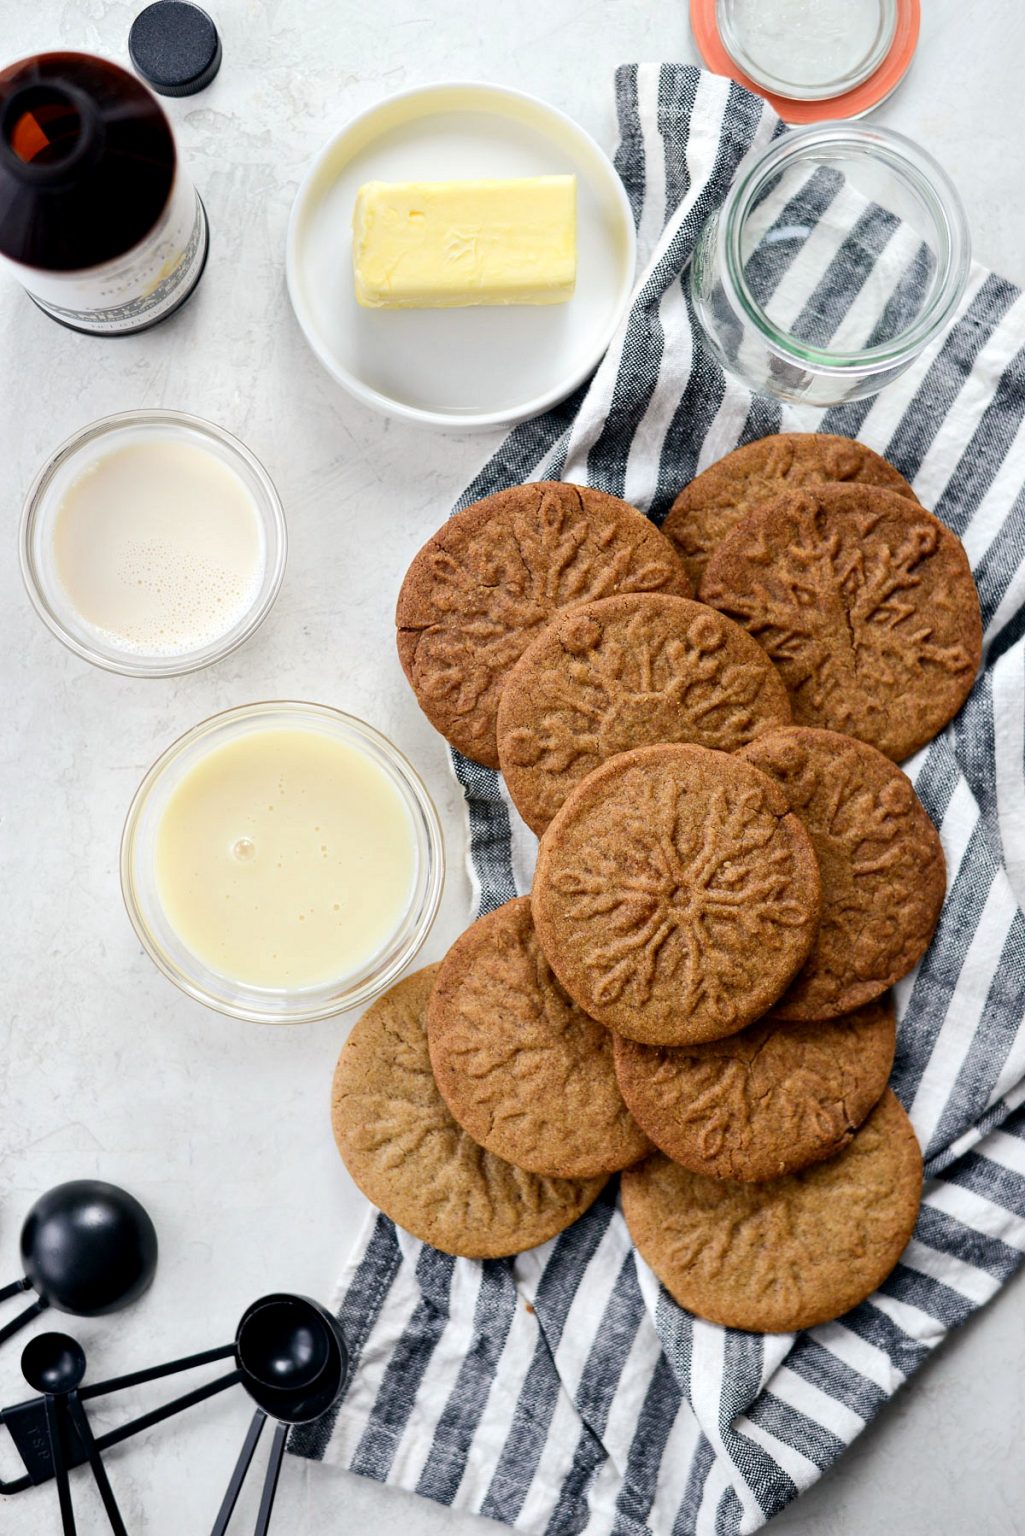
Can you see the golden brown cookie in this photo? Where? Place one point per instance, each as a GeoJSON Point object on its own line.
{"type": "Point", "coordinates": [411, 1159]}
{"type": "Point", "coordinates": [773, 1099]}
{"type": "Point", "coordinates": [712, 505]}
{"type": "Point", "coordinates": [676, 895]}
{"type": "Point", "coordinates": [491, 578]}
{"type": "Point", "coordinates": [866, 604]}
{"type": "Point", "coordinates": [524, 1071]}
{"type": "Point", "coordinates": [884, 876]}
{"type": "Point", "coordinates": [789, 1253]}
{"type": "Point", "coordinates": [628, 672]}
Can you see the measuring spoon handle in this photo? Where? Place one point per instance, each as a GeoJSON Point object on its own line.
{"type": "Point", "coordinates": [78, 1418]}
{"type": "Point", "coordinates": [39, 1305]}
{"type": "Point", "coordinates": [238, 1477]}
{"type": "Point", "coordinates": [270, 1481]}
{"type": "Point", "coordinates": [60, 1469]}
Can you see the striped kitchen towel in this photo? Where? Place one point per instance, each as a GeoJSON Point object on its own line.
{"type": "Point", "coordinates": [564, 1391]}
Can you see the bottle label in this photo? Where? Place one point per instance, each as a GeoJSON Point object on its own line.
{"type": "Point", "coordinates": [137, 289]}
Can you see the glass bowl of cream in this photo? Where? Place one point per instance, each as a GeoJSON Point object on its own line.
{"type": "Point", "coordinates": [152, 543]}
{"type": "Point", "coordinates": [282, 862]}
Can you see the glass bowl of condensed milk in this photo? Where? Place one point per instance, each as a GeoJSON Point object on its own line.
{"type": "Point", "coordinates": [152, 543]}
{"type": "Point", "coordinates": [282, 862]}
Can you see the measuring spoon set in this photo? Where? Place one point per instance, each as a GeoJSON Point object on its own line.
{"type": "Point", "coordinates": [88, 1249]}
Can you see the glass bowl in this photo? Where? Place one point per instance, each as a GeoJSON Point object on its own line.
{"type": "Point", "coordinates": [839, 254]}
{"type": "Point", "coordinates": [42, 504]}
{"type": "Point", "coordinates": [242, 1000]}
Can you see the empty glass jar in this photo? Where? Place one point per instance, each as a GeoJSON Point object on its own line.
{"type": "Point", "coordinates": [840, 252]}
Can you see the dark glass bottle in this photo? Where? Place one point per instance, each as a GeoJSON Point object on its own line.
{"type": "Point", "coordinates": [98, 219]}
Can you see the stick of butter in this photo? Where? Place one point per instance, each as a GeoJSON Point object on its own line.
{"type": "Point", "coordinates": [451, 244]}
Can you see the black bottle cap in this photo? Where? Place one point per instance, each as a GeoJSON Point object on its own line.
{"type": "Point", "coordinates": [174, 46]}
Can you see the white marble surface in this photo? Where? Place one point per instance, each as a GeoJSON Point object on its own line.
{"type": "Point", "coordinates": [222, 1128]}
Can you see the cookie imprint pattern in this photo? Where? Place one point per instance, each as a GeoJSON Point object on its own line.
{"type": "Point", "coordinates": [629, 672]}
{"type": "Point", "coordinates": [768, 1101]}
{"type": "Point", "coordinates": [711, 506]}
{"type": "Point", "coordinates": [492, 577]}
{"type": "Point", "coordinates": [410, 1158]}
{"type": "Point", "coordinates": [677, 901]}
{"type": "Point", "coordinates": [522, 1068]}
{"type": "Point", "coordinates": [786, 1254]}
{"type": "Point", "coordinates": [881, 861]}
{"type": "Point", "coordinates": [866, 604]}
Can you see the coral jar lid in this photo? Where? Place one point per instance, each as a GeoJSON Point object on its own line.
{"type": "Point", "coordinates": [811, 59]}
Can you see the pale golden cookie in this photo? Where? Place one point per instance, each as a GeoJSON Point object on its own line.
{"type": "Point", "coordinates": [410, 1158]}
{"type": "Point", "coordinates": [866, 604]}
{"type": "Point", "coordinates": [520, 1066]}
{"type": "Point", "coordinates": [628, 672]}
{"type": "Point", "coordinates": [884, 876]}
{"type": "Point", "coordinates": [492, 577]}
{"type": "Point", "coordinates": [789, 1253]}
{"type": "Point", "coordinates": [676, 895]}
{"type": "Point", "coordinates": [768, 1101]}
{"type": "Point", "coordinates": [711, 506]}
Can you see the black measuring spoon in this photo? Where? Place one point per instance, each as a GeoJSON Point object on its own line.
{"type": "Point", "coordinates": [54, 1365]}
{"type": "Point", "coordinates": [88, 1248]}
{"type": "Point", "coordinates": [287, 1353]}
{"type": "Point", "coordinates": [292, 1362]}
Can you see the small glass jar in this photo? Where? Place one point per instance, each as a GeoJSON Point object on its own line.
{"type": "Point", "coordinates": [840, 252]}
{"type": "Point", "coordinates": [807, 50]}
{"type": "Point", "coordinates": [73, 459]}
{"type": "Point", "coordinates": [244, 1000]}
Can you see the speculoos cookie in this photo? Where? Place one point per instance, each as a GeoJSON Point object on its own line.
{"type": "Point", "coordinates": [883, 873]}
{"type": "Point", "coordinates": [864, 601]}
{"type": "Point", "coordinates": [676, 894]}
{"type": "Point", "coordinates": [625, 672]}
{"type": "Point", "coordinates": [768, 1101]}
{"type": "Point", "coordinates": [520, 1066]}
{"type": "Point", "coordinates": [492, 577]}
{"type": "Point", "coordinates": [711, 506]}
{"type": "Point", "coordinates": [789, 1253]}
{"type": "Point", "coordinates": [410, 1158]}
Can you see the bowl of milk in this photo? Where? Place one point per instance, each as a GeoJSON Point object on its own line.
{"type": "Point", "coordinates": [282, 862]}
{"type": "Point", "coordinates": [152, 543]}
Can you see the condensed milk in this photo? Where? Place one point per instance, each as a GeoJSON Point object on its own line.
{"type": "Point", "coordinates": [285, 859]}
{"type": "Point", "coordinates": [282, 862]}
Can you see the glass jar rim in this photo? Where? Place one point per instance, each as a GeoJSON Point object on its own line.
{"type": "Point", "coordinates": [393, 960]}
{"type": "Point", "coordinates": [789, 89]}
{"type": "Point", "coordinates": [917, 167]}
{"type": "Point", "coordinates": [272, 517]}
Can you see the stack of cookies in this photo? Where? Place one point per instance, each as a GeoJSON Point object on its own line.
{"type": "Point", "coordinates": [732, 872]}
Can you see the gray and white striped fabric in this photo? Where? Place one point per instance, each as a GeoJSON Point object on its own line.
{"type": "Point", "coordinates": [563, 1391]}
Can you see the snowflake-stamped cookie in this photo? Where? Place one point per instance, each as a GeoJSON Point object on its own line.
{"type": "Point", "coordinates": [410, 1158]}
{"type": "Point", "coordinates": [521, 1067]}
{"type": "Point", "coordinates": [676, 894]}
{"type": "Point", "coordinates": [492, 577]}
{"type": "Point", "coordinates": [769, 1101]}
{"type": "Point", "coordinates": [625, 672]}
{"type": "Point", "coordinates": [884, 876]}
{"type": "Point", "coordinates": [792, 1252]}
{"type": "Point", "coordinates": [711, 506]}
{"type": "Point", "coordinates": [864, 601]}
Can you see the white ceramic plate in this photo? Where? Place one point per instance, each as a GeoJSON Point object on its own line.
{"type": "Point", "coordinates": [458, 368]}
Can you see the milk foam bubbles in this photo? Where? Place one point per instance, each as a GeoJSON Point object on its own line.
{"type": "Point", "coordinates": [159, 546]}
